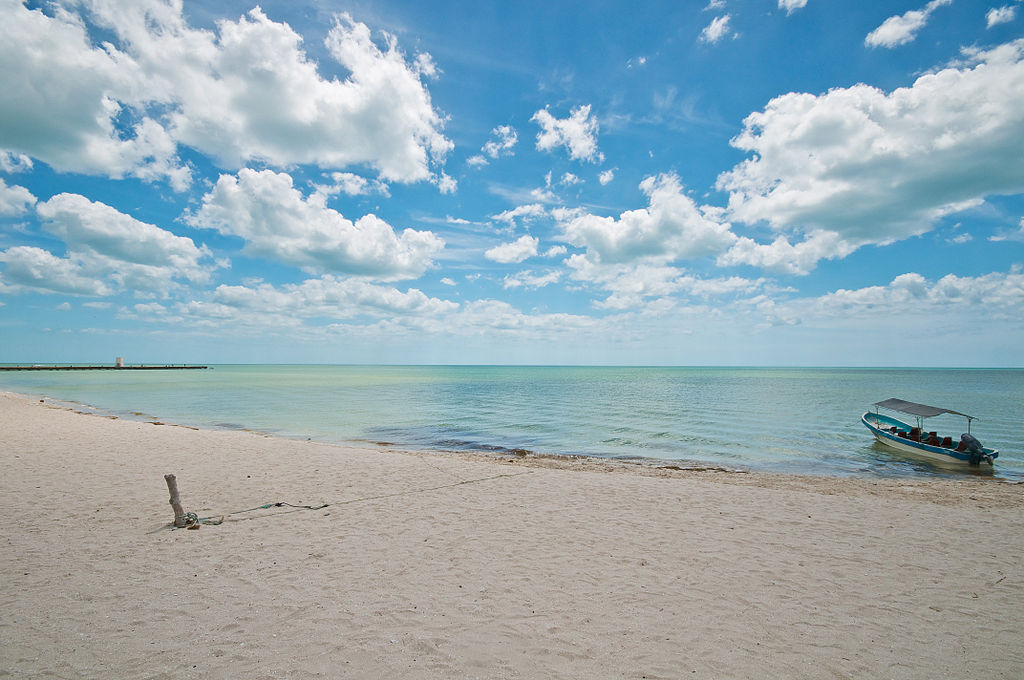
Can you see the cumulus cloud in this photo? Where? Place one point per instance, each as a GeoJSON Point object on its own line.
{"type": "Point", "coordinates": [577, 133]}
{"type": "Point", "coordinates": [873, 167]}
{"type": "Point", "coordinates": [37, 269]}
{"type": "Point", "coordinates": [523, 213]}
{"type": "Point", "coordinates": [792, 5]}
{"type": "Point", "coordinates": [14, 200]}
{"type": "Point", "coordinates": [496, 316]}
{"type": "Point", "coordinates": [444, 183]}
{"type": "Point", "coordinates": [529, 279]}
{"type": "Point", "coordinates": [650, 284]}
{"type": "Point", "coordinates": [144, 251]}
{"type": "Point", "coordinates": [672, 227]}
{"type": "Point", "coordinates": [516, 251]}
{"type": "Point", "coordinates": [502, 145]}
{"type": "Point", "coordinates": [996, 295]}
{"type": "Point", "coordinates": [784, 258]}
{"type": "Point", "coordinates": [901, 29]}
{"type": "Point", "coordinates": [279, 223]}
{"type": "Point", "coordinates": [330, 297]}
{"type": "Point", "coordinates": [62, 95]}
{"type": "Point", "coordinates": [107, 252]}
{"type": "Point", "coordinates": [351, 184]}
{"type": "Point", "coordinates": [606, 177]}
{"type": "Point", "coordinates": [716, 30]}
{"type": "Point", "coordinates": [629, 284]}
{"type": "Point", "coordinates": [350, 303]}
{"type": "Point", "coordinates": [244, 93]}
{"type": "Point", "coordinates": [14, 162]}
{"type": "Point", "coordinates": [1001, 15]}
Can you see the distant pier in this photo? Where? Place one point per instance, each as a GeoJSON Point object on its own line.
{"type": "Point", "coordinates": [103, 367]}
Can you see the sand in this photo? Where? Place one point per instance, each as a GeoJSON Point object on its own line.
{"type": "Point", "coordinates": [455, 566]}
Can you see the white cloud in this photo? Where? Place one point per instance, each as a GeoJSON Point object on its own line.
{"type": "Point", "coordinates": [14, 200]}
{"type": "Point", "coordinates": [138, 255]}
{"type": "Point", "coordinates": [671, 227]}
{"type": "Point", "coordinates": [38, 269]}
{"type": "Point", "coordinates": [569, 179]}
{"type": "Point", "coordinates": [331, 298]}
{"type": "Point", "coordinates": [351, 184]}
{"type": "Point", "coordinates": [522, 213]}
{"type": "Point", "coordinates": [1017, 235]}
{"type": "Point", "coordinates": [516, 251]}
{"type": "Point", "coordinates": [444, 183]}
{"type": "Point", "coordinates": [261, 307]}
{"type": "Point", "coordinates": [495, 316]}
{"type": "Point", "coordinates": [447, 281]}
{"type": "Point", "coordinates": [262, 99]}
{"type": "Point", "coordinates": [278, 223]}
{"type": "Point", "coordinates": [901, 29]}
{"type": "Point", "coordinates": [577, 133]}
{"type": "Point", "coordinates": [14, 162]}
{"type": "Point", "coordinates": [716, 30]}
{"type": "Point", "coordinates": [506, 139]}
{"type": "Point", "coordinates": [630, 284]}
{"type": "Point", "coordinates": [791, 5]}
{"type": "Point", "coordinates": [107, 252]}
{"type": "Point", "coordinates": [995, 295]}
{"type": "Point", "coordinates": [63, 307]}
{"type": "Point", "coordinates": [606, 177]}
{"type": "Point", "coordinates": [528, 279]}
{"type": "Point", "coordinates": [555, 251]}
{"type": "Point", "coordinates": [62, 94]}
{"type": "Point", "coordinates": [784, 258]}
{"type": "Point", "coordinates": [873, 167]}
{"type": "Point", "coordinates": [245, 93]}
{"type": "Point", "coordinates": [1001, 15]}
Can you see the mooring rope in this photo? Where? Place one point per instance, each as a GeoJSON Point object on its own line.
{"type": "Point", "coordinates": [192, 519]}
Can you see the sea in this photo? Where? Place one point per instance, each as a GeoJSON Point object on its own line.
{"type": "Point", "coordinates": [790, 420]}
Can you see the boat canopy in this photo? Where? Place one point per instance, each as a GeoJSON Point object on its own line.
{"type": "Point", "coordinates": [919, 410]}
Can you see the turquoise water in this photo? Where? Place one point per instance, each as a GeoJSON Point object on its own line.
{"type": "Point", "coordinates": [799, 420]}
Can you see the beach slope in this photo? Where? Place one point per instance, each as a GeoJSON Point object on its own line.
{"type": "Point", "coordinates": [436, 566]}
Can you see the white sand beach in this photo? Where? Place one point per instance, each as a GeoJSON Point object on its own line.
{"type": "Point", "coordinates": [455, 566]}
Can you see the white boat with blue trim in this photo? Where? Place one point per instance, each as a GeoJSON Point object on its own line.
{"type": "Point", "coordinates": [905, 437]}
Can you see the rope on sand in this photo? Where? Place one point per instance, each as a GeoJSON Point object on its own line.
{"type": "Point", "coordinates": [266, 506]}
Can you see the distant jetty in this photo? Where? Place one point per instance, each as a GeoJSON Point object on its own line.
{"type": "Point", "coordinates": [102, 367]}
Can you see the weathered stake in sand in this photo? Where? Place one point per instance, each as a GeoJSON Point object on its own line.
{"type": "Point", "coordinates": [452, 566]}
{"type": "Point", "coordinates": [179, 511]}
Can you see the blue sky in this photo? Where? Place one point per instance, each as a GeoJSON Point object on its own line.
{"type": "Point", "coordinates": [770, 182]}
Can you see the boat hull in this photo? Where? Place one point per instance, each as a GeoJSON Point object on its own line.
{"type": "Point", "coordinates": [879, 424]}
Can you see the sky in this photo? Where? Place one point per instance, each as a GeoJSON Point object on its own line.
{"type": "Point", "coordinates": [733, 182]}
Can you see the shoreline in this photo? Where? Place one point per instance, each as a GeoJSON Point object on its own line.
{"type": "Point", "coordinates": [429, 565]}
{"type": "Point", "coordinates": [634, 462]}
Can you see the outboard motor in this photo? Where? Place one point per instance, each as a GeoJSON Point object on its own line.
{"type": "Point", "coordinates": [973, 448]}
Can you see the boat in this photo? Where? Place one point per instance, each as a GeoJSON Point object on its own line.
{"type": "Point", "coordinates": [908, 438]}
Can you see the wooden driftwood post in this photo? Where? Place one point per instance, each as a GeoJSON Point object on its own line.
{"type": "Point", "coordinates": [179, 512]}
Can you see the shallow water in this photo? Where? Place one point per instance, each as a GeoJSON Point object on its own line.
{"type": "Point", "coordinates": [799, 420]}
